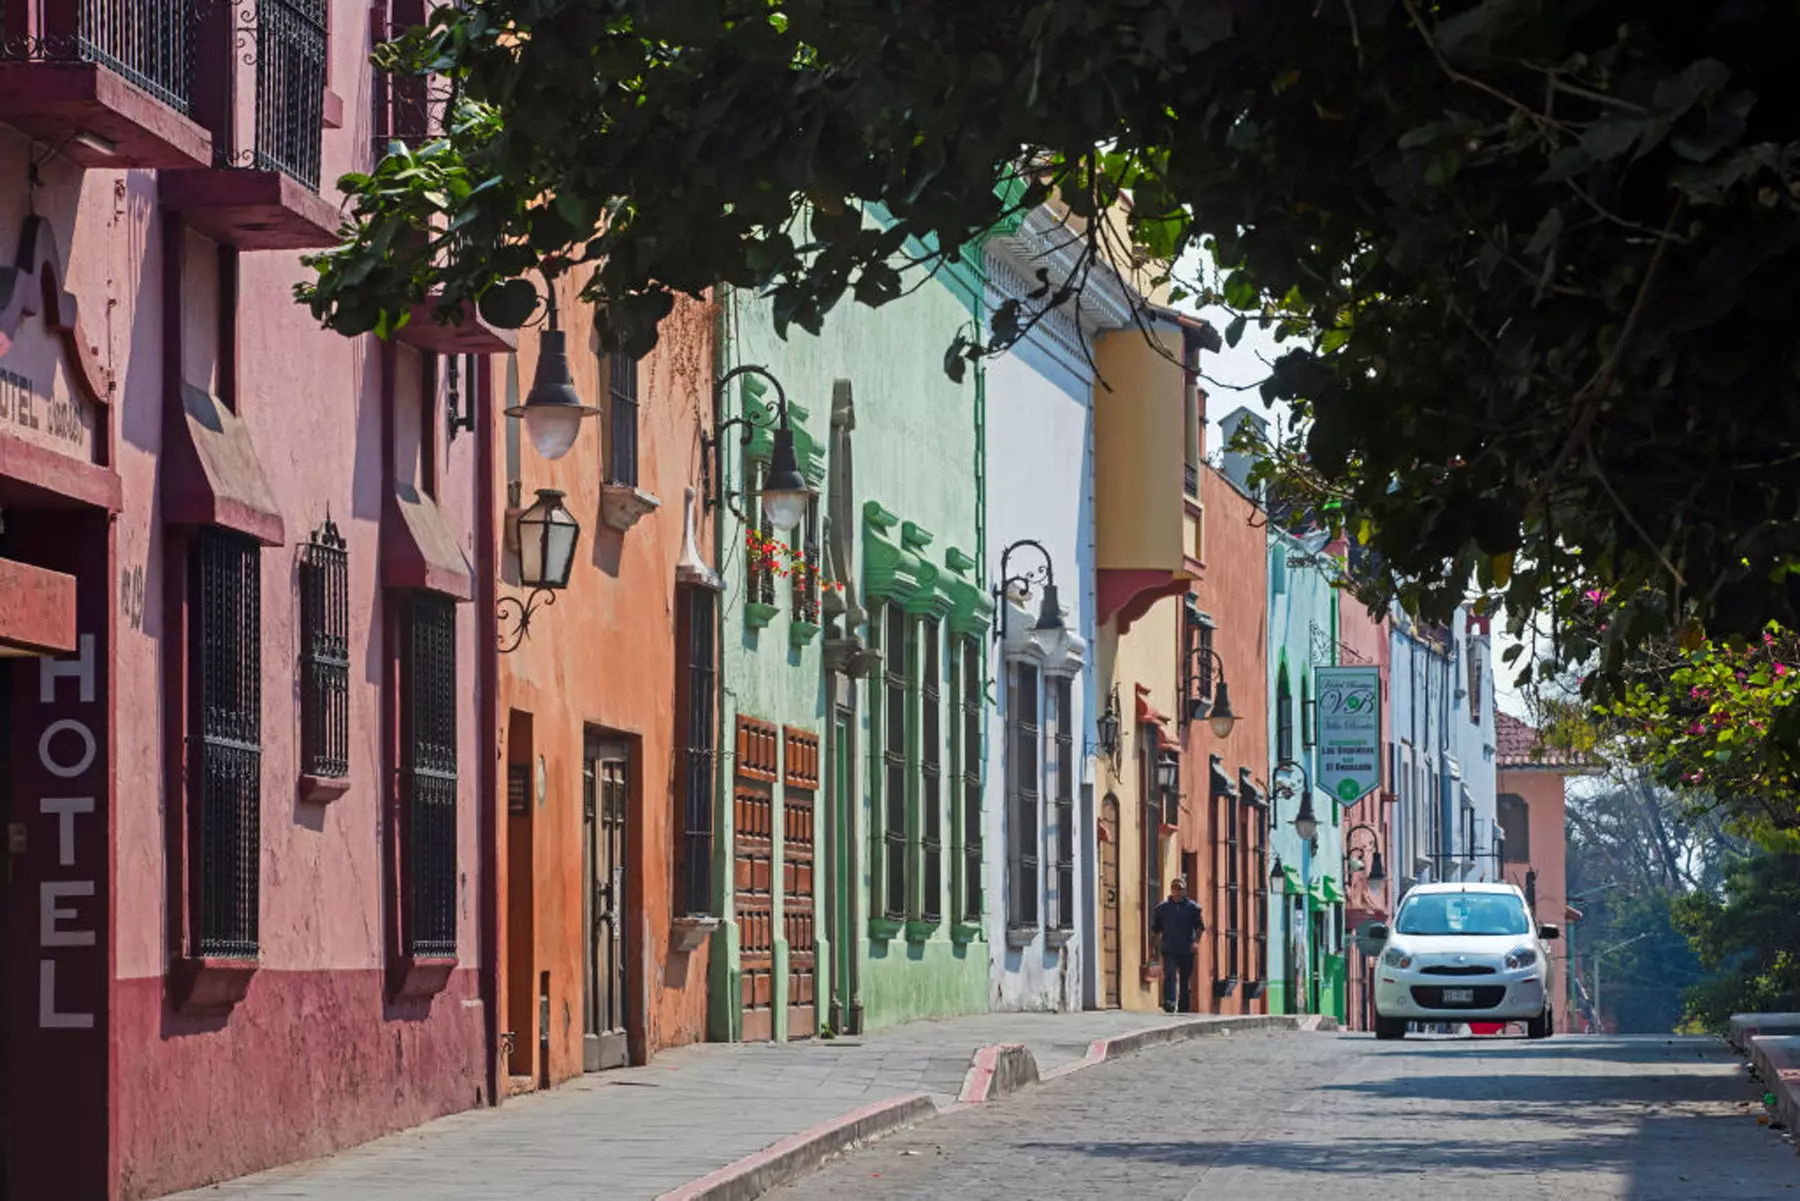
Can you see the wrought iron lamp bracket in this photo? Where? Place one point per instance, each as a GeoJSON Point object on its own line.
{"type": "Point", "coordinates": [1044, 575]}
{"type": "Point", "coordinates": [712, 446]}
{"type": "Point", "coordinates": [520, 619]}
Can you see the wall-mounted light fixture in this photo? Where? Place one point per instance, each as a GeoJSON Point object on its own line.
{"type": "Point", "coordinates": [1107, 728]}
{"type": "Point", "coordinates": [1353, 864]}
{"type": "Point", "coordinates": [1049, 621]}
{"type": "Point", "coordinates": [1306, 823]}
{"type": "Point", "coordinates": [548, 535]}
{"type": "Point", "coordinates": [552, 411]}
{"type": "Point", "coordinates": [1277, 873]}
{"type": "Point", "coordinates": [785, 493]}
{"type": "Point", "coordinates": [1211, 698]}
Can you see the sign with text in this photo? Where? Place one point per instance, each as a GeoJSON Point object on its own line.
{"type": "Point", "coordinates": [1349, 730]}
{"type": "Point", "coordinates": [51, 384]}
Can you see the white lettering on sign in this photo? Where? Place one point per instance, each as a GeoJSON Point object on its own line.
{"type": "Point", "coordinates": [58, 924]}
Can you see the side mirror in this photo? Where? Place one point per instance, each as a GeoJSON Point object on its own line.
{"type": "Point", "coordinates": [1377, 932]}
{"type": "Point", "coordinates": [1549, 933]}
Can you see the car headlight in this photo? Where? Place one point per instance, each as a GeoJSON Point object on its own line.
{"type": "Point", "coordinates": [1520, 957]}
{"type": "Point", "coordinates": [1394, 957]}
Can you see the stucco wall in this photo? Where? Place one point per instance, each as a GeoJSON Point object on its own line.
{"type": "Point", "coordinates": [1543, 792]}
{"type": "Point", "coordinates": [1234, 592]}
{"type": "Point", "coordinates": [1138, 454]}
{"type": "Point", "coordinates": [603, 658]}
{"type": "Point", "coordinates": [1473, 723]}
{"type": "Point", "coordinates": [1040, 474]}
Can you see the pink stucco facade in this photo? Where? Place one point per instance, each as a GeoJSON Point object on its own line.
{"type": "Point", "coordinates": [1545, 867]}
{"type": "Point", "coordinates": [155, 1064]}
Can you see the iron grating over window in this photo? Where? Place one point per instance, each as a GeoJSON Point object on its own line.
{"type": "Point", "coordinates": [622, 463]}
{"type": "Point", "coordinates": [893, 758]}
{"type": "Point", "coordinates": [325, 654]}
{"type": "Point", "coordinates": [932, 772]}
{"type": "Point", "coordinates": [1022, 765]}
{"type": "Point", "coordinates": [148, 43]}
{"type": "Point", "coordinates": [290, 87]}
{"type": "Point", "coordinates": [428, 774]}
{"type": "Point", "coordinates": [806, 565]}
{"type": "Point", "coordinates": [971, 781]}
{"type": "Point", "coordinates": [1063, 798]}
{"type": "Point", "coordinates": [694, 879]}
{"type": "Point", "coordinates": [226, 833]}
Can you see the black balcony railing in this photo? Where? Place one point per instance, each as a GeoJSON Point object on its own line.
{"type": "Point", "coordinates": [148, 43]}
{"type": "Point", "coordinates": [290, 87]}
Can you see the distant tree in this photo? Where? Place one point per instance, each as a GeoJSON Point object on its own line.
{"type": "Point", "coordinates": [1748, 937]}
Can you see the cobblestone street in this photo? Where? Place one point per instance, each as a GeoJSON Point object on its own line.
{"type": "Point", "coordinates": [1289, 1117]}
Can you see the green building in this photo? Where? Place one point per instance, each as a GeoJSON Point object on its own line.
{"type": "Point", "coordinates": [853, 690]}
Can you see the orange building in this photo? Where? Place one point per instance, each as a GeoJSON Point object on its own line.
{"type": "Point", "coordinates": [1530, 807]}
{"type": "Point", "coordinates": [606, 714]}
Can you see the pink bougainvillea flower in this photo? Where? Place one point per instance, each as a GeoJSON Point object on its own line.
{"type": "Point", "coordinates": [1781, 669]}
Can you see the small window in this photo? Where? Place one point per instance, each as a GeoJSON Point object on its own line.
{"type": "Point", "coordinates": [225, 818]}
{"type": "Point", "coordinates": [892, 883]}
{"type": "Point", "coordinates": [1061, 777]}
{"type": "Point", "coordinates": [971, 779]}
{"type": "Point", "coordinates": [1284, 717]}
{"type": "Point", "coordinates": [931, 906]}
{"type": "Point", "coordinates": [1515, 827]}
{"type": "Point", "coordinates": [428, 708]}
{"type": "Point", "coordinates": [622, 392]}
{"type": "Point", "coordinates": [805, 566]}
{"type": "Point", "coordinates": [694, 718]}
{"type": "Point", "coordinates": [325, 654]}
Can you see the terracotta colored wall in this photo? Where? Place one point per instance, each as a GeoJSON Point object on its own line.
{"type": "Point", "coordinates": [603, 657]}
{"type": "Point", "coordinates": [1234, 593]}
{"type": "Point", "coordinates": [1543, 792]}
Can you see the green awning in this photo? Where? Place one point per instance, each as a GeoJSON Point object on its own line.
{"type": "Point", "coordinates": [1330, 890]}
{"type": "Point", "coordinates": [1291, 878]}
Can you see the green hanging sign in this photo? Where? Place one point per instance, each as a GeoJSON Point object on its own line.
{"type": "Point", "coordinates": [1349, 730]}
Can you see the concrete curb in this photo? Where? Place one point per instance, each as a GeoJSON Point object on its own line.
{"type": "Point", "coordinates": [1103, 1049]}
{"type": "Point", "coordinates": [754, 1175]}
{"type": "Point", "coordinates": [997, 1070]}
{"type": "Point", "coordinates": [1777, 1061]}
{"type": "Point", "coordinates": [1746, 1026]}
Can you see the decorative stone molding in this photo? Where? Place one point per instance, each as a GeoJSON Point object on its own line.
{"type": "Point", "coordinates": [1057, 936]}
{"type": "Point", "coordinates": [690, 568]}
{"type": "Point", "coordinates": [624, 505]}
{"type": "Point", "coordinates": [964, 933]}
{"type": "Point", "coordinates": [921, 929]}
{"type": "Point", "coordinates": [758, 615]}
{"type": "Point", "coordinates": [882, 929]}
{"type": "Point", "coordinates": [1020, 936]}
{"type": "Point", "coordinates": [801, 633]}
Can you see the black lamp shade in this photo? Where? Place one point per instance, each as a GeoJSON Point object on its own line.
{"type": "Point", "coordinates": [548, 535]}
{"type": "Point", "coordinates": [1050, 619]}
{"type": "Point", "coordinates": [552, 411]}
{"type": "Point", "coordinates": [1221, 720]}
{"type": "Point", "coordinates": [1377, 871]}
{"type": "Point", "coordinates": [785, 493]}
{"type": "Point", "coordinates": [1277, 874]}
{"type": "Point", "coordinates": [1306, 824]}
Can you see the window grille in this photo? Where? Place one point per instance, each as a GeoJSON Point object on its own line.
{"type": "Point", "coordinates": [428, 774]}
{"type": "Point", "coordinates": [1062, 781]}
{"type": "Point", "coordinates": [761, 562]}
{"type": "Point", "coordinates": [148, 43]}
{"type": "Point", "coordinates": [971, 781]}
{"type": "Point", "coordinates": [694, 874]}
{"type": "Point", "coordinates": [931, 905]}
{"type": "Point", "coordinates": [1475, 682]}
{"type": "Point", "coordinates": [622, 462]}
{"type": "Point", "coordinates": [1023, 761]}
{"type": "Point", "coordinates": [806, 567]}
{"type": "Point", "coordinates": [893, 758]}
{"type": "Point", "coordinates": [1284, 718]}
{"type": "Point", "coordinates": [226, 832]}
{"type": "Point", "coordinates": [325, 654]}
{"type": "Point", "coordinates": [290, 87]}
{"type": "Point", "coordinates": [1233, 887]}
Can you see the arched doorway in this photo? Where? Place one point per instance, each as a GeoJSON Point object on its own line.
{"type": "Point", "coordinates": [1109, 900]}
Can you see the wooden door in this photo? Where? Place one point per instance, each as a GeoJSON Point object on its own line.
{"type": "Point", "coordinates": [753, 855]}
{"type": "Point", "coordinates": [1109, 900]}
{"type": "Point", "coordinates": [606, 786]}
{"type": "Point", "coordinates": [800, 788]}
{"type": "Point", "coordinates": [521, 1036]}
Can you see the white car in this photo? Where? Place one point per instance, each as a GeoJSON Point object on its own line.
{"type": "Point", "coordinates": [1462, 953]}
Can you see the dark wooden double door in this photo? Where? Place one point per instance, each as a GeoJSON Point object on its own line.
{"type": "Point", "coordinates": [767, 755]}
{"type": "Point", "coordinates": [606, 792]}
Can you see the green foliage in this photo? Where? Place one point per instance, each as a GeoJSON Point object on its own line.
{"type": "Point", "coordinates": [1546, 251]}
{"type": "Point", "coordinates": [1644, 980]}
{"type": "Point", "coordinates": [1749, 937]}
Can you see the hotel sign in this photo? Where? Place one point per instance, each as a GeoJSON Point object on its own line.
{"type": "Point", "coordinates": [1349, 730]}
{"type": "Point", "coordinates": [51, 385]}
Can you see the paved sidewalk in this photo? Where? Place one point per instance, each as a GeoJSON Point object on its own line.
{"type": "Point", "coordinates": [639, 1132]}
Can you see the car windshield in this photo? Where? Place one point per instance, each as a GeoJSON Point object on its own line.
{"type": "Point", "coordinates": [1470, 913]}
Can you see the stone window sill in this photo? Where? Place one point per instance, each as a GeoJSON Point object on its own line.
{"type": "Point", "coordinates": [1058, 937]}
{"type": "Point", "coordinates": [414, 978]}
{"type": "Point", "coordinates": [1020, 935]}
{"type": "Point", "coordinates": [801, 633]}
{"type": "Point", "coordinates": [757, 615]}
{"type": "Point", "coordinates": [884, 928]}
{"type": "Point", "coordinates": [921, 929]}
{"type": "Point", "coordinates": [624, 505]}
{"type": "Point", "coordinates": [322, 790]}
{"type": "Point", "coordinates": [965, 932]}
{"type": "Point", "coordinates": [204, 984]}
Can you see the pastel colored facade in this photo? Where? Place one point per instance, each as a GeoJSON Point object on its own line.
{"type": "Point", "coordinates": [1368, 824]}
{"type": "Point", "coordinates": [1471, 824]}
{"type": "Point", "coordinates": [1147, 555]}
{"type": "Point", "coordinates": [1041, 936]}
{"type": "Point", "coordinates": [857, 708]}
{"type": "Point", "coordinates": [248, 796]}
{"type": "Point", "coordinates": [1225, 834]}
{"type": "Point", "coordinates": [597, 703]}
{"type": "Point", "coordinates": [1422, 750]}
{"type": "Point", "coordinates": [1531, 783]}
{"type": "Point", "coordinates": [1306, 944]}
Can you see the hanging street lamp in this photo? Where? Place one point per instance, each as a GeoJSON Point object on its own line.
{"type": "Point", "coordinates": [548, 536]}
{"type": "Point", "coordinates": [786, 495]}
{"type": "Point", "coordinates": [553, 411]}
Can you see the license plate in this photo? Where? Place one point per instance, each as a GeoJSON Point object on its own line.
{"type": "Point", "coordinates": [1459, 996]}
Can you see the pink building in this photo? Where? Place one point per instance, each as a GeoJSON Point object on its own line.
{"type": "Point", "coordinates": [245, 912]}
{"type": "Point", "coordinates": [1530, 808]}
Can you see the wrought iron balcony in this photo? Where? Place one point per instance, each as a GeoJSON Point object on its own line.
{"type": "Point", "coordinates": [109, 83]}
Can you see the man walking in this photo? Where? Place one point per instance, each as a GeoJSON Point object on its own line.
{"type": "Point", "coordinates": [1180, 923]}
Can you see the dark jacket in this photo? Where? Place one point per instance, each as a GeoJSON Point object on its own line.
{"type": "Point", "coordinates": [1180, 923]}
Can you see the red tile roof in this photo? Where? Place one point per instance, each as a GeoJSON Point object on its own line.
{"type": "Point", "coordinates": [1519, 745]}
